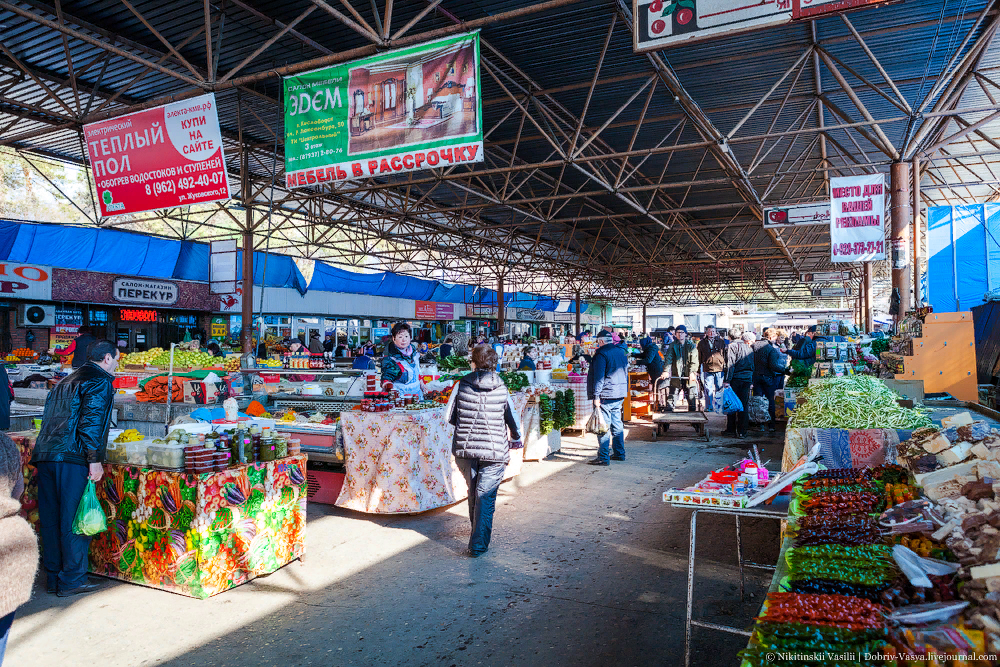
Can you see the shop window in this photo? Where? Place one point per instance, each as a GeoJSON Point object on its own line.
{"type": "Point", "coordinates": [97, 317]}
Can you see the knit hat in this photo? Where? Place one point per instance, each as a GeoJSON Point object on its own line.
{"type": "Point", "coordinates": [681, 327]}
{"type": "Point", "coordinates": [812, 329]}
{"type": "Point", "coordinates": [604, 335]}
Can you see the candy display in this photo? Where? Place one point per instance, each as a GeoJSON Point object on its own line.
{"type": "Point", "coordinates": [199, 535]}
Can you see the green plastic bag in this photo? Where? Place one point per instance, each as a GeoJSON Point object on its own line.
{"type": "Point", "coordinates": [90, 519]}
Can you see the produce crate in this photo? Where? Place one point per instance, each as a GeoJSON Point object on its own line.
{"type": "Point", "coordinates": [125, 382]}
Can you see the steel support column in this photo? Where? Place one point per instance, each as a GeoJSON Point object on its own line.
{"type": "Point", "coordinates": [899, 189]}
{"type": "Point", "coordinates": [867, 278]}
{"type": "Point", "coordinates": [915, 232]}
{"type": "Point", "coordinates": [644, 330]}
{"type": "Point", "coordinates": [247, 310]}
{"type": "Point", "coordinates": [578, 329]}
{"type": "Point", "coordinates": [500, 308]}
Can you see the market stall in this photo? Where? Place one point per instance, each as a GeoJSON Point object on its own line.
{"type": "Point", "coordinates": [194, 533]}
{"type": "Point", "coordinates": [200, 535]}
{"type": "Point", "coordinates": [400, 461]}
{"type": "Point", "coordinates": [892, 549]}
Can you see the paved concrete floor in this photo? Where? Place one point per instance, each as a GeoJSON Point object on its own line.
{"type": "Point", "coordinates": [587, 567]}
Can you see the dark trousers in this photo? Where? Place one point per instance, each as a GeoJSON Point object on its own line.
{"type": "Point", "coordinates": [5, 624]}
{"type": "Point", "coordinates": [688, 390]}
{"type": "Point", "coordinates": [483, 478]}
{"type": "Point", "coordinates": [766, 387]}
{"type": "Point", "coordinates": [64, 553]}
{"type": "Point", "coordinates": [742, 419]}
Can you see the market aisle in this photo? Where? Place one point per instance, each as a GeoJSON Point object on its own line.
{"type": "Point", "coordinates": [587, 567]}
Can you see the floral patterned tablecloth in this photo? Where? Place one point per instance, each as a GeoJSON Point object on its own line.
{"type": "Point", "coordinates": [401, 462]}
{"type": "Point", "coordinates": [200, 535]}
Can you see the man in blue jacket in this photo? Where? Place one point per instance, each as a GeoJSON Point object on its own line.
{"type": "Point", "coordinates": [607, 384]}
{"type": "Point", "coordinates": [805, 349]}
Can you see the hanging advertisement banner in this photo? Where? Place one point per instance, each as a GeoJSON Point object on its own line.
{"type": "Point", "coordinates": [26, 281]}
{"type": "Point", "coordinates": [661, 23]}
{"type": "Point", "coordinates": [824, 276]}
{"type": "Point", "coordinates": [797, 215]}
{"type": "Point", "coordinates": [404, 110]}
{"type": "Point", "coordinates": [159, 158]}
{"type": "Point", "coordinates": [809, 9]}
{"type": "Point", "coordinates": [857, 218]}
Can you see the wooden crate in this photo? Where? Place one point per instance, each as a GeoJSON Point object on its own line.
{"type": "Point", "coordinates": [944, 357]}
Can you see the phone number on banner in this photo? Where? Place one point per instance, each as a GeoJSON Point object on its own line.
{"type": "Point", "coordinates": [859, 248]}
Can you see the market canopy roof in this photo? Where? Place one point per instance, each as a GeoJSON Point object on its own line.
{"type": "Point", "coordinates": [628, 177]}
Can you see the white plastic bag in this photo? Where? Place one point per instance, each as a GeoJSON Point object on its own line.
{"type": "Point", "coordinates": [596, 424]}
{"type": "Point", "coordinates": [916, 568]}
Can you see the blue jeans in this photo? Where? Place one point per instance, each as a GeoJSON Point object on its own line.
{"type": "Point", "coordinates": [483, 478]}
{"type": "Point", "coordinates": [712, 383]}
{"type": "Point", "coordinates": [5, 624]}
{"type": "Point", "coordinates": [64, 553]}
{"type": "Point", "coordinates": [611, 410]}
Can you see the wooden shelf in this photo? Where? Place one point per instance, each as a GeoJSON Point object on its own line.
{"type": "Point", "coordinates": [944, 357]}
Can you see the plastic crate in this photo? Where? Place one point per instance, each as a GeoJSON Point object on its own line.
{"type": "Point", "coordinates": [323, 486]}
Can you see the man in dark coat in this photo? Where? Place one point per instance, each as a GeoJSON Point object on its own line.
{"type": "Point", "coordinates": [739, 376]}
{"type": "Point", "coordinates": [68, 452]}
{"type": "Point", "coordinates": [82, 342]}
{"type": "Point", "coordinates": [768, 367]}
{"type": "Point", "coordinates": [607, 386]}
{"type": "Point", "coordinates": [481, 412]}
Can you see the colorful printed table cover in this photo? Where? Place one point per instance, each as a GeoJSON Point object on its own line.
{"type": "Point", "coordinates": [843, 448]}
{"type": "Point", "coordinates": [200, 535]}
{"type": "Point", "coordinates": [400, 462]}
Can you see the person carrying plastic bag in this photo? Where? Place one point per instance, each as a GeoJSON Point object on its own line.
{"type": "Point", "coordinates": [68, 452]}
{"type": "Point", "coordinates": [739, 377]}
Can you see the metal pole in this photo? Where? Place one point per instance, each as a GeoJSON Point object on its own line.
{"type": "Point", "coordinates": [500, 308]}
{"type": "Point", "coordinates": [247, 314]}
{"type": "Point", "coordinates": [899, 189]}
{"type": "Point", "coordinates": [915, 232]}
{"type": "Point", "coordinates": [644, 330]}
{"type": "Point", "coordinates": [578, 329]}
{"type": "Point", "coordinates": [868, 296]}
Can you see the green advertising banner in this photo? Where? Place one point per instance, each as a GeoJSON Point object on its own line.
{"type": "Point", "coordinates": [403, 110]}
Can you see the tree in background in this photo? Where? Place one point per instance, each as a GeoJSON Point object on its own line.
{"type": "Point", "coordinates": [26, 194]}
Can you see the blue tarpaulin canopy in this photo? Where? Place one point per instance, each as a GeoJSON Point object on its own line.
{"type": "Point", "coordinates": [964, 255]}
{"type": "Point", "coordinates": [133, 254]}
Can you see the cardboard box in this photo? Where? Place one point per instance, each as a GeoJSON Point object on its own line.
{"type": "Point", "coordinates": [202, 393]}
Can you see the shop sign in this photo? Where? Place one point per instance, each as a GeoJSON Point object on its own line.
{"type": "Point", "coordinates": [831, 291]}
{"type": "Point", "coordinates": [662, 23]}
{"type": "Point", "coordinates": [67, 316]}
{"type": "Point", "coordinates": [403, 110]}
{"type": "Point", "coordinates": [159, 158]}
{"type": "Point", "coordinates": [810, 9]}
{"type": "Point", "coordinates": [26, 281]}
{"type": "Point", "coordinates": [479, 310]}
{"type": "Point", "coordinates": [857, 220]}
{"type": "Point", "coordinates": [136, 315]}
{"type": "Point", "coordinates": [431, 310]}
{"type": "Point", "coordinates": [529, 314]}
{"type": "Point", "coordinates": [220, 329]}
{"type": "Point", "coordinates": [59, 339]}
{"type": "Point", "coordinates": [824, 276]}
{"type": "Point", "coordinates": [797, 215]}
{"type": "Point", "coordinates": [564, 317]}
{"type": "Point", "coordinates": [462, 326]}
{"type": "Point", "coordinates": [222, 266]}
{"type": "Point", "coordinates": [155, 292]}
{"type": "Point", "coordinates": [378, 333]}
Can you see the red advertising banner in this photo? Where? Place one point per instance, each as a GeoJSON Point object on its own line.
{"type": "Point", "coordinates": [431, 310]}
{"type": "Point", "coordinates": [160, 158]}
{"type": "Point", "coordinates": [425, 310]}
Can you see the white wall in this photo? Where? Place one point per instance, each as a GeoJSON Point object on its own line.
{"type": "Point", "coordinates": [315, 302]}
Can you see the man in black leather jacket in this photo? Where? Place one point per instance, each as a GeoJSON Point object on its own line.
{"type": "Point", "coordinates": [68, 452]}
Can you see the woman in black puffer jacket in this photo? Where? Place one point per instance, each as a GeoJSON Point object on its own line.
{"type": "Point", "coordinates": [481, 412]}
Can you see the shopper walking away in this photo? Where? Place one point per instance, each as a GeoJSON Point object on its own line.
{"type": "Point", "coordinates": [445, 349]}
{"type": "Point", "coordinates": [18, 545]}
{"type": "Point", "coordinates": [768, 367]}
{"type": "Point", "coordinates": [805, 349]}
{"type": "Point", "coordinates": [529, 355]}
{"type": "Point", "coordinates": [607, 384]}
{"type": "Point", "coordinates": [739, 376]}
{"type": "Point", "coordinates": [69, 450]}
{"type": "Point", "coordinates": [681, 360]}
{"type": "Point", "coordinates": [401, 363]}
{"type": "Point", "coordinates": [481, 412]}
{"type": "Point", "coordinates": [711, 364]}
{"type": "Point", "coordinates": [365, 360]}
{"type": "Point", "coordinates": [80, 345]}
